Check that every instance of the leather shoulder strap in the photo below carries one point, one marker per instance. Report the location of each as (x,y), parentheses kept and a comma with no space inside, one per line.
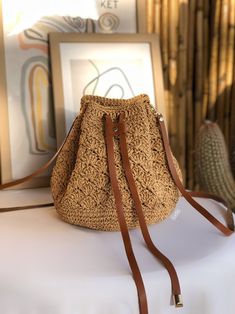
(189,195)
(31,176)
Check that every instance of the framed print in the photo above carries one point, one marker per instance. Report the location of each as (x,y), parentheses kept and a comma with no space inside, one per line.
(110,65)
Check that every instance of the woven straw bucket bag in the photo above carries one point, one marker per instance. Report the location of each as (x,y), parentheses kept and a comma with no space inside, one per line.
(80,181)
(115,171)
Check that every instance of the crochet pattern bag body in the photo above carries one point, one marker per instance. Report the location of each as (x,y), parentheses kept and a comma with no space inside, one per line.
(115,171)
(81,182)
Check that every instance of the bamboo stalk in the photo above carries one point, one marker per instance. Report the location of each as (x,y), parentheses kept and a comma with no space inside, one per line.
(164,32)
(165,52)
(173,17)
(189,96)
(198,89)
(221,80)
(182,78)
(191,34)
(150,15)
(189,140)
(157,17)
(205,58)
(173,40)
(214,59)
(173,134)
(229,69)
(199,65)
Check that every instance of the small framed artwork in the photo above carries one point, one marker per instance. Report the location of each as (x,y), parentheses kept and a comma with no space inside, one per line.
(110,65)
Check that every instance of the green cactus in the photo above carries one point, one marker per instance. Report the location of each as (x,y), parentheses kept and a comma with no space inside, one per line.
(213,171)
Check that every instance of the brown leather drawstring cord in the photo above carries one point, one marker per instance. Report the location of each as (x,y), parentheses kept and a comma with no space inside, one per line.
(138,207)
(189,195)
(109,134)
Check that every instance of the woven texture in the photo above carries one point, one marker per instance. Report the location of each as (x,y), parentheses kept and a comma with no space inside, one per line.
(80,181)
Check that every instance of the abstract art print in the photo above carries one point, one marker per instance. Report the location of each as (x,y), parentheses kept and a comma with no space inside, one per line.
(113,66)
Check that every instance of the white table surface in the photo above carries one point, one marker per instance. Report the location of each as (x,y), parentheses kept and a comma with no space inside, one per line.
(50,267)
